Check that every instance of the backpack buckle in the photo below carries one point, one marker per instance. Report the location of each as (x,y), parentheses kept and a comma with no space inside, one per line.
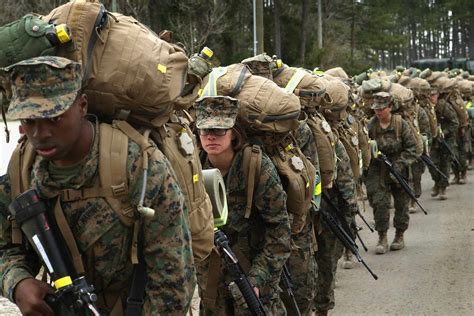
(119,190)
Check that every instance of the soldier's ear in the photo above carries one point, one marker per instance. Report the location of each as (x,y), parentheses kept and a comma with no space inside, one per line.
(83,104)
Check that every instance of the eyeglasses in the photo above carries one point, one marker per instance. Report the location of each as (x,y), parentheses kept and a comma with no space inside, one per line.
(213,131)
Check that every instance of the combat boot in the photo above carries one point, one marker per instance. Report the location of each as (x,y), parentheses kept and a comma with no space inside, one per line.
(382,244)
(462,177)
(442,194)
(412,208)
(348,262)
(435,190)
(398,242)
(455,179)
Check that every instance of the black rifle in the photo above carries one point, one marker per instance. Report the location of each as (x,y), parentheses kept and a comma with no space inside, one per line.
(232,263)
(289,297)
(356,230)
(446,147)
(401,180)
(427,160)
(73,296)
(363,219)
(344,237)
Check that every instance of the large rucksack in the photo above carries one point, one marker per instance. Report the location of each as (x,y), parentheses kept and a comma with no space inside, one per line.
(129,72)
(268,113)
(310,88)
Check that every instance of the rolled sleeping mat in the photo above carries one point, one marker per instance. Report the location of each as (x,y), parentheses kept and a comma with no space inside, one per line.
(215,188)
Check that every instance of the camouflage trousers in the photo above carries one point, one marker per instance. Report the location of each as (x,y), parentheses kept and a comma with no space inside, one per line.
(417,170)
(442,160)
(326,258)
(461,154)
(380,190)
(302,267)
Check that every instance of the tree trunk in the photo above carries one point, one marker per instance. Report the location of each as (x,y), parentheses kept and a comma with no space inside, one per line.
(277,27)
(455,51)
(304,18)
(353,19)
(470,38)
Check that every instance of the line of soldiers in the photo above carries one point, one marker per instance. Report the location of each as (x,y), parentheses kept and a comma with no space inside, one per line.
(373,130)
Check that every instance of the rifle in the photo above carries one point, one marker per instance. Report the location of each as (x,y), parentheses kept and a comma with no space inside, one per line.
(363,219)
(451,153)
(287,285)
(356,229)
(73,296)
(401,180)
(253,301)
(344,237)
(427,160)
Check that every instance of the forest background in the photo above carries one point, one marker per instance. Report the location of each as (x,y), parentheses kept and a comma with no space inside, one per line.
(357,34)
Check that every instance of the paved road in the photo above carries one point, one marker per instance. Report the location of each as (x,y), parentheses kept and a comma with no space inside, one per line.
(433,275)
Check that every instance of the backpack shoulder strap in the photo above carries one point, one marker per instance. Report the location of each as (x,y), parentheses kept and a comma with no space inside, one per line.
(397,119)
(252,162)
(19,176)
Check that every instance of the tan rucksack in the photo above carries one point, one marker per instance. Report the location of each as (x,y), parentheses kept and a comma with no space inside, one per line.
(263,105)
(301,82)
(129,72)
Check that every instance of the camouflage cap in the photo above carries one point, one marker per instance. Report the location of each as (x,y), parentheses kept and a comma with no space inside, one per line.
(381,100)
(42,87)
(216,112)
(260,65)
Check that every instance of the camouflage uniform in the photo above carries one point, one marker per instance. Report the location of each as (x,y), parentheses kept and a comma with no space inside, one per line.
(418,167)
(103,241)
(262,242)
(343,195)
(302,262)
(447,118)
(401,152)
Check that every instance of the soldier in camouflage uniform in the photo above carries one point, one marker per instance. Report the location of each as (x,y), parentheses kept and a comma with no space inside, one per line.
(48,100)
(449,126)
(418,167)
(401,151)
(262,240)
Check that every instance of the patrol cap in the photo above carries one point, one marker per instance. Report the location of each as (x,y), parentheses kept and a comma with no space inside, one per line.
(260,65)
(381,100)
(216,112)
(42,87)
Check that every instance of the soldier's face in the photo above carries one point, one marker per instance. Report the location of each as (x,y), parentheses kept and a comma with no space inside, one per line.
(216,145)
(384,113)
(59,139)
(434,98)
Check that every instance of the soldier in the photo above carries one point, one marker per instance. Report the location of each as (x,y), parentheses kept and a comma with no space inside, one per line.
(394,138)
(260,237)
(66,150)
(449,127)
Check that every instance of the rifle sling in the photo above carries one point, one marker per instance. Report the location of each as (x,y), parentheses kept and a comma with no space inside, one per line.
(136,294)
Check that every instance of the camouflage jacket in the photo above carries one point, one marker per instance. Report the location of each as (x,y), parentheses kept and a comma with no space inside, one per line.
(424,122)
(447,118)
(264,238)
(305,139)
(401,151)
(345,185)
(105,243)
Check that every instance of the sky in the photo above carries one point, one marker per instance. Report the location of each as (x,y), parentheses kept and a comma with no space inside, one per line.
(7,149)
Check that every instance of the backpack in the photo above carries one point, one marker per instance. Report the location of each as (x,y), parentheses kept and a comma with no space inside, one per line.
(431,113)
(458,105)
(263,105)
(268,113)
(129,72)
(300,82)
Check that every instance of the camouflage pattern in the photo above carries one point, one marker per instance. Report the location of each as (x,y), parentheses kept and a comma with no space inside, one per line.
(42,87)
(105,243)
(260,65)
(380,186)
(216,112)
(381,100)
(305,138)
(448,119)
(343,195)
(263,239)
(418,167)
